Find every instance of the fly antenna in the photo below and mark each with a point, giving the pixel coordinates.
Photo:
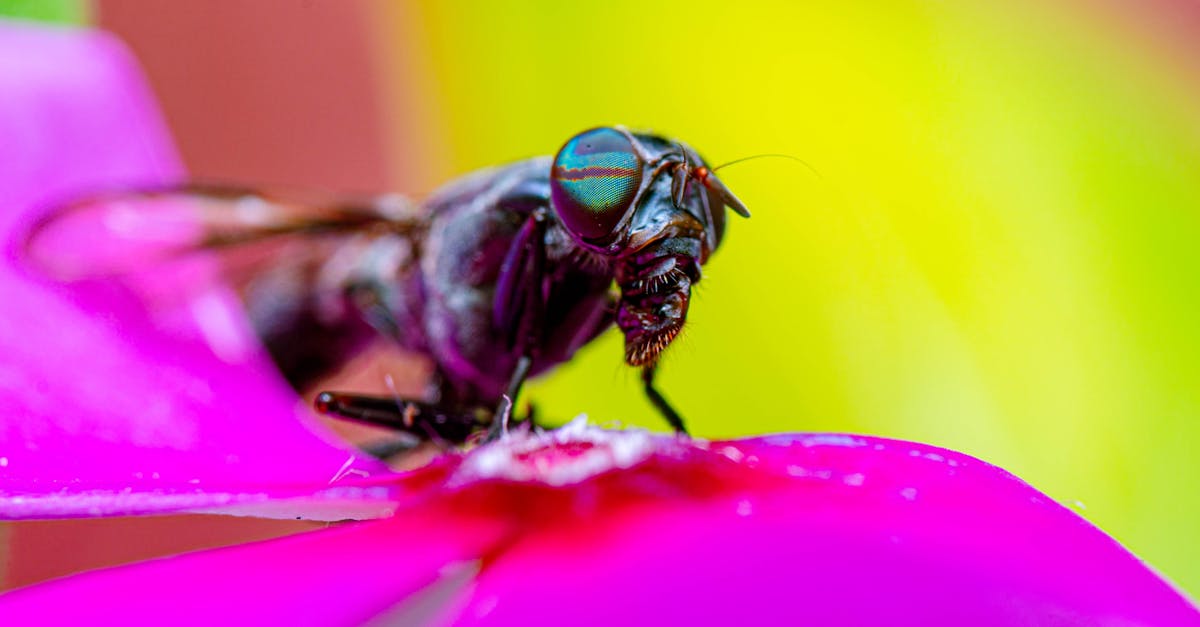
(776, 155)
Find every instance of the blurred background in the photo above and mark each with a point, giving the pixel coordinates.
(996, 255)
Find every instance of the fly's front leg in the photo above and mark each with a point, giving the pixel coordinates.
(519, 308)
(660, 403)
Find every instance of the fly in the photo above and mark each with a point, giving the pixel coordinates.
(496, 277)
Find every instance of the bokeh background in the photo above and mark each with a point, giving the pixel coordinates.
(997, 252)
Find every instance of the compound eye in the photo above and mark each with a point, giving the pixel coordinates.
(594, 179)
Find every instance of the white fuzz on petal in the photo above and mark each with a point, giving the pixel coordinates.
(560, 457)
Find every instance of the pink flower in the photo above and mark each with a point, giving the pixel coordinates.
(110, 414)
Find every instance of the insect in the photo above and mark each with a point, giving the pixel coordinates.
(496, 277)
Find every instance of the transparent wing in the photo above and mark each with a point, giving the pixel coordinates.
(237, 268)
(121, 233)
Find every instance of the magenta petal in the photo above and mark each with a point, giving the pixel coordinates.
(100, 412)
(859, 531)
(340, 576)
(587, 527)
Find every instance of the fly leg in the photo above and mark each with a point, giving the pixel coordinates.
(503, 411)
(422, 420)
(520, 308)
(660, 403)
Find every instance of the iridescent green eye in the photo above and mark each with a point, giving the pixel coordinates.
(594, 179)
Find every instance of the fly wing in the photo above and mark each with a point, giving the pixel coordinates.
(123, 233)
(191, 254)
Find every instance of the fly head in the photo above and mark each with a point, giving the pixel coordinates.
(653, 207)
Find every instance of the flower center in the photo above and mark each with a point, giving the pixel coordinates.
(564, 456)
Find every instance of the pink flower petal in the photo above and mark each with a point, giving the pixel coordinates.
(102, 413)
(588, 527)
(821, 529)
(337, 576)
